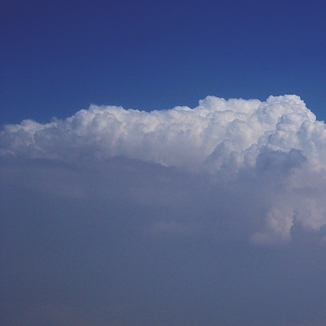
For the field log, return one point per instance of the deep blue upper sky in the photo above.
(57, 57)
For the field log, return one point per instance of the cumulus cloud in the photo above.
(273, 150)
(188, 216)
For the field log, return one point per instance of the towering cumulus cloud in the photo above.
(275, 148)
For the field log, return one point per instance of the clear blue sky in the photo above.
(57, 57)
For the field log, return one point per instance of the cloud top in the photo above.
(213, 134)
(278, 145)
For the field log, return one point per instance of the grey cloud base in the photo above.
(132, 243)
(205, 216)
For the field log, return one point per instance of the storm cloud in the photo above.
(186, 216)
(278, 145)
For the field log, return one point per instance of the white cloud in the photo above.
(275, 150)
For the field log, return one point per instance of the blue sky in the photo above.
(59, 56)
(191, 210)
